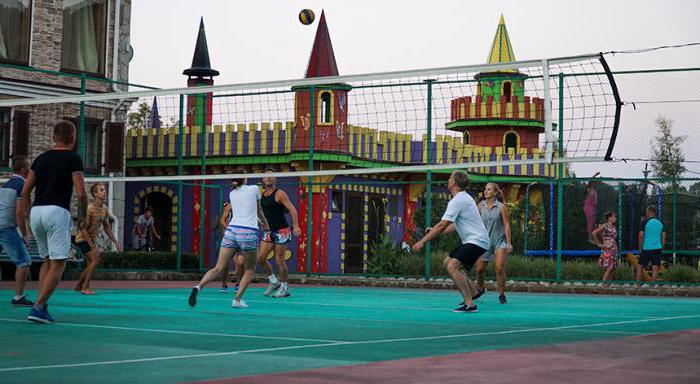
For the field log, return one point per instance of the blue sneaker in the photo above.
(235, 288)
(223, 289)
(40, 316)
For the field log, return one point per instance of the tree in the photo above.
(139, 119)
(695, 188)
(667, 154)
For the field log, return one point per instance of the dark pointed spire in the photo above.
(322, 60)
(200, 60)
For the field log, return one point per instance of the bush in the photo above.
(681, 273)
(147, 260)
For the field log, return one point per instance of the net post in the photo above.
(179, 183)
(675, 237)
(527, 218)
(81, 125)
(560, 165)
(202, 183)
(309, 190)
(429, 174)
(547, 110)
(620, 228)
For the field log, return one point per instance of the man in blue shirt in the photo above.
(11, 227)
(652, 239)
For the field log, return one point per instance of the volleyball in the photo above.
(306, 16)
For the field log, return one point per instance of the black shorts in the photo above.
(84, 247)
(467, 254)
(652, 256)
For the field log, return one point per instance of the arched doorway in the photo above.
(162, 206)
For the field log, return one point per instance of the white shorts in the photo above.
(51, 227)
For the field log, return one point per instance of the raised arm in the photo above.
(224, 215)
(262, 219)
(434, 232)
(282, 198)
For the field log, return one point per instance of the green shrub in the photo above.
(681, 273)
(147, 260)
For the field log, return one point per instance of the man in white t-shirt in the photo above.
(463, 216)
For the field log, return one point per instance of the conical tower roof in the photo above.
(200, 61)
(322, 60)
(501, 49)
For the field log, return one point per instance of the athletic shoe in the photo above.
(22, 302)
(239, 304)
(193, 297)
(466, 309)
(235, 288)
(271, 288)
(40, 316)
(502, 299)
(223, 289)
(479, 294)
(281, 293)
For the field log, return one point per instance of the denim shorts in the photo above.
(13, 246)
(240, 238)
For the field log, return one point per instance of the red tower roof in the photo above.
(322, 60)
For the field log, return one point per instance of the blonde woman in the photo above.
(497, 221)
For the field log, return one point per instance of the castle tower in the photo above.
(330, 102)
(200, 74)
(500, 116)
(199, 112)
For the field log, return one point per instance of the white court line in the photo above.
(114, 362)
(181, 332)
(400, 308)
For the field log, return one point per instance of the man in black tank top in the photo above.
(275, 204)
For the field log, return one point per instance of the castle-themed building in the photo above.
(500, 122)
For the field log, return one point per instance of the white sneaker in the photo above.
(271, 288)
(239, 304)
(281, 293)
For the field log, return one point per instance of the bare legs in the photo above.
(20, 280)
(83, 285)
(49, 276)
(454, 268)
(249, 270)
(500, 255)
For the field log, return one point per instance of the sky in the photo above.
(263, 40)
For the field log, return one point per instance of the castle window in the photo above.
(466, 139)
(507, 90)
(510, 140)
(326, 116)
(15, 27)
(84, 36)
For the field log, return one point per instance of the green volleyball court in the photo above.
(148, 333)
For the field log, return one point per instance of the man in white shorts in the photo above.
(463, 216)
(55, 173)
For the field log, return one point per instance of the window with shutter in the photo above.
(115, 147)
(20, 134)
(4, 137)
